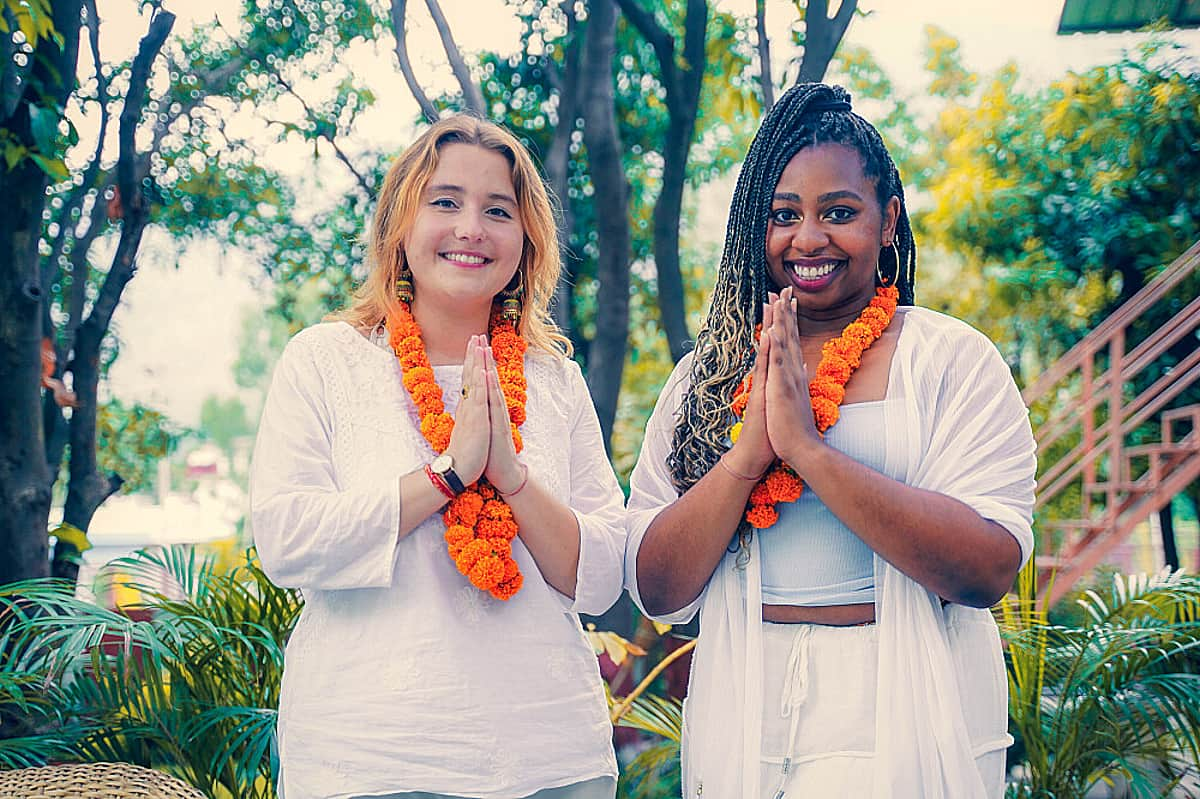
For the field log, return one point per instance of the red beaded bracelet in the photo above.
(439, 482)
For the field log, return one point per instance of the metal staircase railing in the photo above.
(1101, 472)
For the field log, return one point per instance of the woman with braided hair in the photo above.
(841, 483)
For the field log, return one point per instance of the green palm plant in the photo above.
(193, 690)
(1116, 698)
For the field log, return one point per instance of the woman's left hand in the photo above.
(790, 425)
(504, 471)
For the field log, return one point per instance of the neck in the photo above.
(446, 332)
(829, 322)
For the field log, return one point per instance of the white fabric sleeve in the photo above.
(981, 449)
(651, 488)
(598, 505)
(309, 532)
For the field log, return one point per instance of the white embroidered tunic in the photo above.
(400, 675)
(966, 434)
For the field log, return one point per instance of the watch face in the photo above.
(442, 463)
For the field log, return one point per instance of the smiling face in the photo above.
(467, 237)
(825, 233)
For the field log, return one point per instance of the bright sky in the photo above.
(179, 319)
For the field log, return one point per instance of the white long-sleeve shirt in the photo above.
(400, 675)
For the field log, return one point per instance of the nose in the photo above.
(469, 225)
(809, 235)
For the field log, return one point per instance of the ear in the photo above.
(891, 217)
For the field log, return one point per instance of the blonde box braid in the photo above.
(806, 115)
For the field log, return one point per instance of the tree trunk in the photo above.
(557, 166)
(765, 82)
(683, 104)
(87, 488)
(1166, 526)
(822, 36)
(607, 353)
(24, 476)
(668, 209)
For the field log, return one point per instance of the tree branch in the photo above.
(132, 198)
(312, 115)
(822, 36)
(764, 55)
(472, 94)
(658, 37)
(398, 32)
(51, 267)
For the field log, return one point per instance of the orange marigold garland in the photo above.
(840, 357)
(479, 524)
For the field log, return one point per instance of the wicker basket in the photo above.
(93, 781)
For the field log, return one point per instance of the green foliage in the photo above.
(1116, 696)
(192, 691)
(1062, 201)
(131, 439)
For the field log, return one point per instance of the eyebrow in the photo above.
(824, 198)
(453, 189)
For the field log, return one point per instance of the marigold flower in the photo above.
(760, 495)
(486, 573)
(416, 376)
(471, 553)
(857, 331)
(427, 397)
(457, 537)
(761, 516)
(516, 411)
(464, 509)
(825, 413)
(833, 367)
(496, 528)
(831, 390)
(496, 509)
(518, 442)
(783, 486)
(735, 433)
(508, 588)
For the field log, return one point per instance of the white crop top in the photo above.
(809, 557)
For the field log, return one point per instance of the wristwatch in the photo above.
(443, 466)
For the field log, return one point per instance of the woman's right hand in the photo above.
(752, 453)
(469, 442)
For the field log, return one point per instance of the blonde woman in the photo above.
(430, 471)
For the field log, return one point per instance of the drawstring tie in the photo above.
(795, 692)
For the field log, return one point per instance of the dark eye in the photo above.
(444, 202)
(841, 214)
(783, 216)
(497, 211)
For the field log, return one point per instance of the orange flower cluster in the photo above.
(479, 524)
(840, 357)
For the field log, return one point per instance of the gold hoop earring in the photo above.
(895, 272)
(510, 299)
(404, 285)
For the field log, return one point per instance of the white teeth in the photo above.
(463, 258)
(813, 272)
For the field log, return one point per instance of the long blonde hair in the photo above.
(397, 208)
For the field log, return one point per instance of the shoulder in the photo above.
(942, 348)
(325, 334)
(931, 333)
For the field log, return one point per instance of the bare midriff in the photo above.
(830, 615)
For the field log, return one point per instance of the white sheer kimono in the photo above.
(400, 675)
(966, 434)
